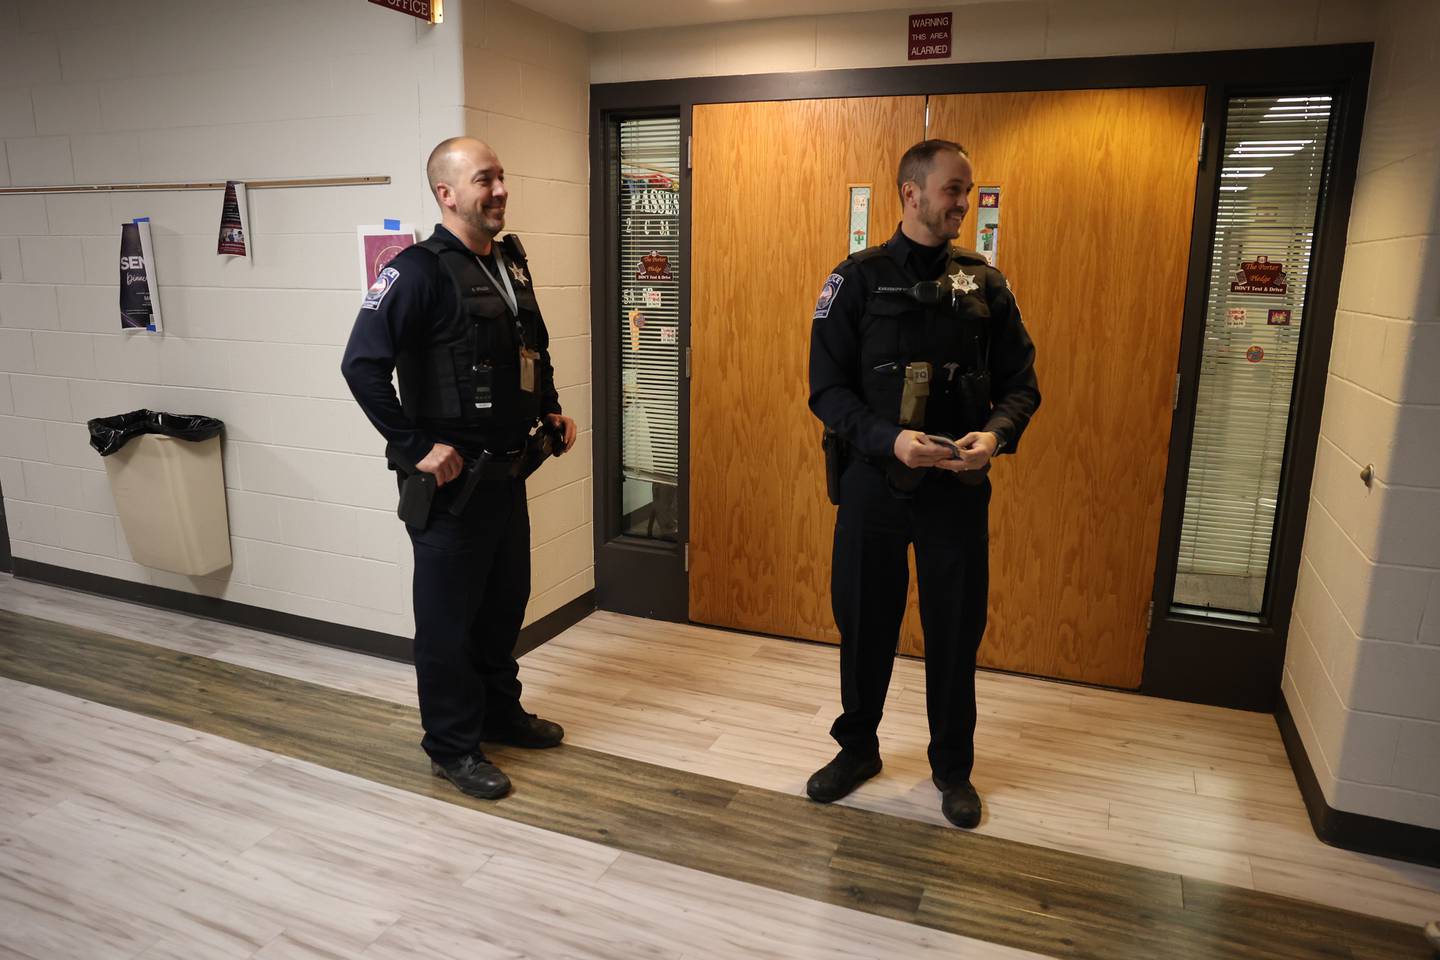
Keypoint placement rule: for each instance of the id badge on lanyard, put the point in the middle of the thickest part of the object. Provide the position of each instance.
(527, 355)
(527, 368)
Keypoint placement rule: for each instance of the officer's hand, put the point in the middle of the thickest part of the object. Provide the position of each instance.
(976, 449)
(914, 450)
(443, 462)
(565, 424)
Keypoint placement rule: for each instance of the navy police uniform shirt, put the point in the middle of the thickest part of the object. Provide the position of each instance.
(412, 292)
(843, 332)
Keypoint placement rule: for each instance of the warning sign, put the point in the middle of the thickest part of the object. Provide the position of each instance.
(930, 36)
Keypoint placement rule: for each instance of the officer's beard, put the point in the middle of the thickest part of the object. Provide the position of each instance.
(937, 222)
(479, 222)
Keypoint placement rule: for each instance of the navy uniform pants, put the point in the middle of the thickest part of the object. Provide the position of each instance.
(472, 582)
(948, 523)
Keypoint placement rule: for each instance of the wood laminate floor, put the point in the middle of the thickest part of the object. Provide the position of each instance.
(703, 706)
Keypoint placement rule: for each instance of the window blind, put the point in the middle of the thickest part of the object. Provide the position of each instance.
(1270, 184)
(648, 325)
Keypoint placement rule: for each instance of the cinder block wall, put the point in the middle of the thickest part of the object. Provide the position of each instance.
(1362, 671)
(92, 92)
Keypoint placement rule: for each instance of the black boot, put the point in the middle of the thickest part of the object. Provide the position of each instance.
(959, 802)
(841, 775)
(474, 776)
(528, 731)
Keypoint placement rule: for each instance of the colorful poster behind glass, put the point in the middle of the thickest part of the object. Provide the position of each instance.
(987, 223)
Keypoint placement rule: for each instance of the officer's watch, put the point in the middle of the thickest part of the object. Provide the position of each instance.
(999, 442)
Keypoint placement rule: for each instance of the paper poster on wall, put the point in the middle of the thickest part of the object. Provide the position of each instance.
(139, 290)
(987, 223)
(378, 246)
(859, 217)
(234, 222)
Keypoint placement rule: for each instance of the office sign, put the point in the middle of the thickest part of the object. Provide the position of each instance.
(431, 11)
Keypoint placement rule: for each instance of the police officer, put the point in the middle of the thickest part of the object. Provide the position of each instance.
(457, 316)
(916, 343)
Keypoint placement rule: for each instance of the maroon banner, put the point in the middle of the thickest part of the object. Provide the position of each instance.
(427, 10)
(929, 36)
(654, 266)
(1259, 276)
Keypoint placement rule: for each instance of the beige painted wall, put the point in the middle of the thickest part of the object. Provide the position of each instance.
(1363, 669)
(984, 31)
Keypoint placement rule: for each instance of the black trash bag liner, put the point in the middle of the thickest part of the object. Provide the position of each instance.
(108, 434)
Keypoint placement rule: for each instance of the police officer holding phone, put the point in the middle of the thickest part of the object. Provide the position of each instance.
(921, 371)
(457, 317)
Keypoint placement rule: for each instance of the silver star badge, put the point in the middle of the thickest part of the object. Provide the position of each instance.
(518, 272)
(962, 282)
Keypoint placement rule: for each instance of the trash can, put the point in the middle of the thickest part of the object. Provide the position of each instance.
(169, 486)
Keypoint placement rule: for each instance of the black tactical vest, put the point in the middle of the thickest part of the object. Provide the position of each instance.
(468, 372)
(953, 335)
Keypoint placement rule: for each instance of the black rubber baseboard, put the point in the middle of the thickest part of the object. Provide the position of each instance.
(7, 562)
(358, 639)
(1353, 831)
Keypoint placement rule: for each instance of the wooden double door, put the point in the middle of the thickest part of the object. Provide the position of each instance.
(1097, 194)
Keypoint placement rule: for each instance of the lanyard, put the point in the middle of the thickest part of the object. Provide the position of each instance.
(506, 291)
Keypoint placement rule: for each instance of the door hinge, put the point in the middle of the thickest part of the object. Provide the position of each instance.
(1200, 159)
(687, 363)
(687, 556)
(1175, 395)
(690, 152)
(1149, 616)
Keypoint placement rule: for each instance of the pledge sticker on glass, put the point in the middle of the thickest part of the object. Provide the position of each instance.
(654, 266)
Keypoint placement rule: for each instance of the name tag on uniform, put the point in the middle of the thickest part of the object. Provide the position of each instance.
(527, 369)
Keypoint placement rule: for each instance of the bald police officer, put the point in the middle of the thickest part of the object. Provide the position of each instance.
(457, 316)
(916, 343)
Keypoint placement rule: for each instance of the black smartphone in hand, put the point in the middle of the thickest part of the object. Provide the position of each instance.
(947, 443)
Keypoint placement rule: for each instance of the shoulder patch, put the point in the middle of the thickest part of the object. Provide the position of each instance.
(827, 295)
(379, 288)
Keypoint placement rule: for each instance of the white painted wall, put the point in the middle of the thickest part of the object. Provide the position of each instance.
(1363, 668)
(98, 92)
(1362, 672)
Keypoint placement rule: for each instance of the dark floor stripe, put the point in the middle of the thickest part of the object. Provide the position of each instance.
(1047, 901)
